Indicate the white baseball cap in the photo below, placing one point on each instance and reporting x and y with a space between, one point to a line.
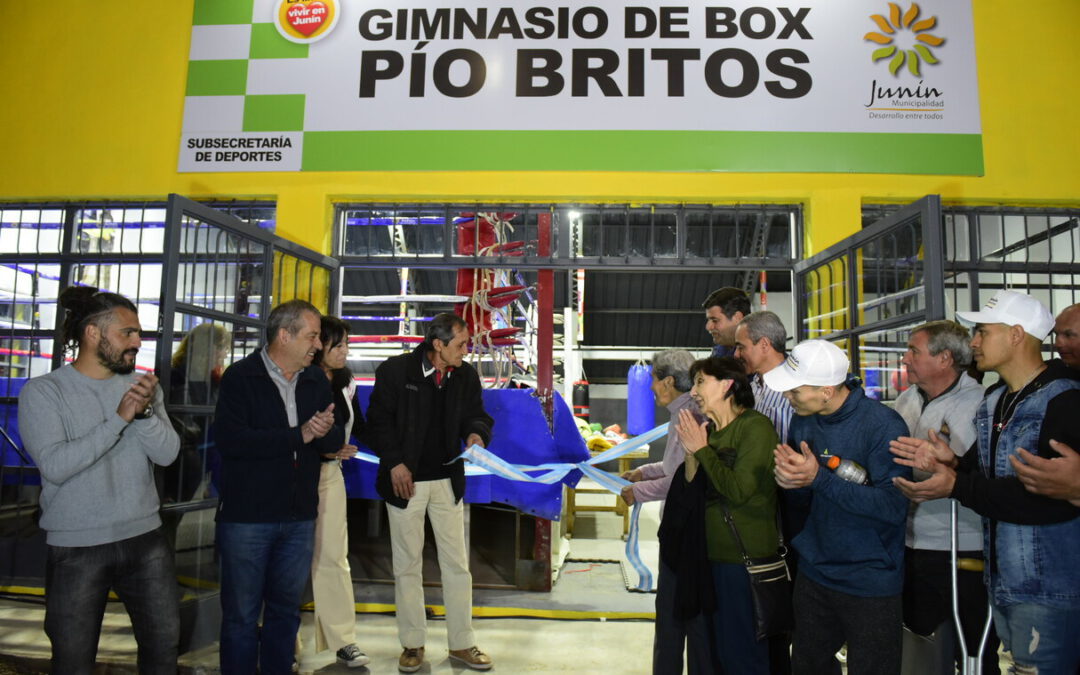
1013 309
815 362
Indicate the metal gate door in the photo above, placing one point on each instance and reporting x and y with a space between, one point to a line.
868 291
221 278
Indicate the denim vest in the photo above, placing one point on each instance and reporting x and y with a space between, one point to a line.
1035 563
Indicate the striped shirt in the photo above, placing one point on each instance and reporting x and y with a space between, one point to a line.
773 405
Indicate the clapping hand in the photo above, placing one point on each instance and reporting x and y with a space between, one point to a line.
136 399
319 424
693 435
919 453
794 469
939 484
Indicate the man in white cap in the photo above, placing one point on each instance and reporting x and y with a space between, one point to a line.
1031 542
1058 477
851 548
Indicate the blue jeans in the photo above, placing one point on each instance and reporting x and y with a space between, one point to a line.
1042 639
77 583
264 567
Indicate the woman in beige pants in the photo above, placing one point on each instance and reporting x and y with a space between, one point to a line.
331 580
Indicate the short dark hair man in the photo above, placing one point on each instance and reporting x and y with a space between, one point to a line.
851 549
424 405
724 309
95 429
942 402
1031 542
274 420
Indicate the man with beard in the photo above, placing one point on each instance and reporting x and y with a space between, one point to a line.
95 428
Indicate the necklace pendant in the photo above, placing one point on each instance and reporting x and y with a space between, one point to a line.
998 427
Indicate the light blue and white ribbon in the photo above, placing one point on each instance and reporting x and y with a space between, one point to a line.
480 457
482 462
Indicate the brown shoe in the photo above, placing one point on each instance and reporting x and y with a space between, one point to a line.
411 658
472 657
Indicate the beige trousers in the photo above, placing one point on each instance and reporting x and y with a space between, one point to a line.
331 581
436 500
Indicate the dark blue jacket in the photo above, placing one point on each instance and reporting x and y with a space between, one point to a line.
268 473
853 539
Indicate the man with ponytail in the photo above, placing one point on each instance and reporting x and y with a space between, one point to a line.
95 428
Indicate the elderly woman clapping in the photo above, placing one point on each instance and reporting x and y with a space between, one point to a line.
735 451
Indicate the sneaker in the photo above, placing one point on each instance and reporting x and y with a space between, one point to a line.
352 657
411 658
472 657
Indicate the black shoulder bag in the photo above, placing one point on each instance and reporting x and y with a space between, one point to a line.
770 585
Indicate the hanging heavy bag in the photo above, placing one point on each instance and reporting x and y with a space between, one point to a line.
770 586
640 402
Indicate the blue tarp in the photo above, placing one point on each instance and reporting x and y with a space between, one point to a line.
521 436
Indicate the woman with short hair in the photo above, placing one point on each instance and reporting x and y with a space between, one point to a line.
734 449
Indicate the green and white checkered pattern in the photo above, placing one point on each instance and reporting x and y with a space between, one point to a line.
228 39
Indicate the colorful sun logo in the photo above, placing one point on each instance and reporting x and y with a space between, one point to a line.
889 32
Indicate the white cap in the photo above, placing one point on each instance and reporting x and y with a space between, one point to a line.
1014 309
815 362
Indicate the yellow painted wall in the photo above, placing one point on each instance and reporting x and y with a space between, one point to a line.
93 98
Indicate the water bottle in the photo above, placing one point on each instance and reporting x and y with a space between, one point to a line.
848 470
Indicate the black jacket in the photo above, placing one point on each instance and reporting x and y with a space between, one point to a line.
268 473
683 544
401 407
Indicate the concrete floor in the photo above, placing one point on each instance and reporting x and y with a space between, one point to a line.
516 645
611 643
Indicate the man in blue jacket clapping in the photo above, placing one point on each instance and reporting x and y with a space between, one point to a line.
851 548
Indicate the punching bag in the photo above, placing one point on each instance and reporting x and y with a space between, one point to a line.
581 399
640 402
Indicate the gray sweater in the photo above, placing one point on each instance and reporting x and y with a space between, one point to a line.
97 474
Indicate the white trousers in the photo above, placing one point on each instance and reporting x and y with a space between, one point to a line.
331 580
436 500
